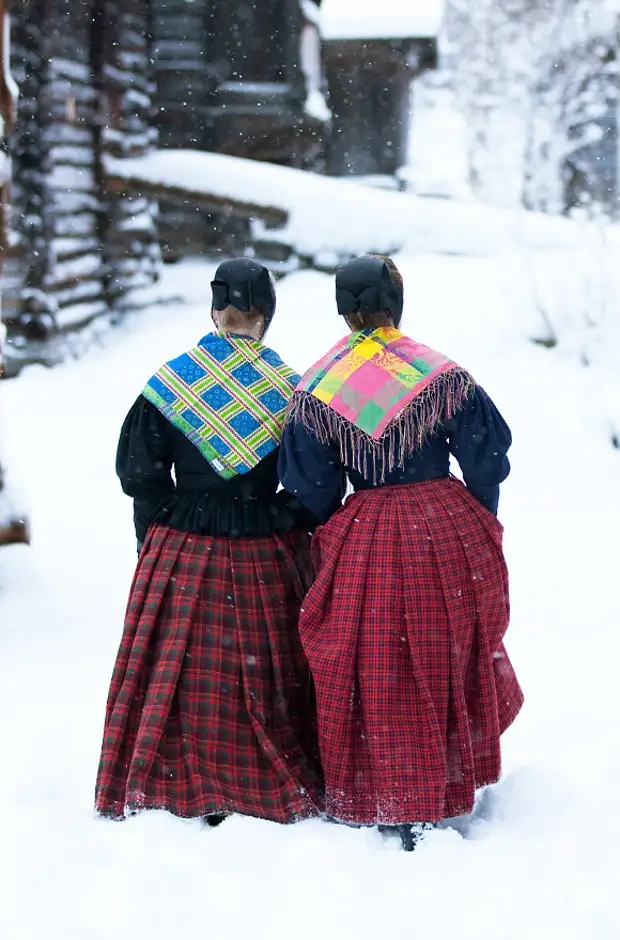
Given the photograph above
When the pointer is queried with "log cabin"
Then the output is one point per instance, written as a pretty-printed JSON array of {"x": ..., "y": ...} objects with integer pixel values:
[
  {"x": 13, "y": 526},
  {"x": 118, "y": 78},
  {"x": 371, "y": 59},
  {"x": 102, "y": 78},
  {"x": 240, "y": 78},
  {"x": 232, "y": 76},
  {"x": 76, "y": 252}
]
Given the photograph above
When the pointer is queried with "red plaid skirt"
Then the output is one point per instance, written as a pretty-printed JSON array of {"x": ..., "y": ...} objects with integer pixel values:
[
  {"x": 403, "y": 630},
  {"x": 211, "y": 707}
]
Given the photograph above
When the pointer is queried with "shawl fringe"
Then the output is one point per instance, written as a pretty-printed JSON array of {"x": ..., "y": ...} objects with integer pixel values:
[{"x": 405, "y": 435}]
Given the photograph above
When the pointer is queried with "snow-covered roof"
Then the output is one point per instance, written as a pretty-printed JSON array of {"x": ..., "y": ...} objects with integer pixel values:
[{"x": 381, "y": 19}]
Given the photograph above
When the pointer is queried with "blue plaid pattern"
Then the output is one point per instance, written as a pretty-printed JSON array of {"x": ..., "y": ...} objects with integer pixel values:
[{"x": 229, "y": 396}]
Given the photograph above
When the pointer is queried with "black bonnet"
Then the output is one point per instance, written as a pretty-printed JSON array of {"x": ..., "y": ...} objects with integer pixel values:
[
  {"x": 367, "y": 285},
  {"x": 244, "y": 283}
]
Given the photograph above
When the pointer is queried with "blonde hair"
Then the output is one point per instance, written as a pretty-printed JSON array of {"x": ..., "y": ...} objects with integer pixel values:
[
  {"x": 372, "y": 321},
  {"x": 232, "y": 320}
]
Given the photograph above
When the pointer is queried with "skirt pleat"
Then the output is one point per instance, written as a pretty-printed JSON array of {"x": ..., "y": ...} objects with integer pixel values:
[
  {"x": 211, "y": 706},
  {"x": 403, "y": 629}
]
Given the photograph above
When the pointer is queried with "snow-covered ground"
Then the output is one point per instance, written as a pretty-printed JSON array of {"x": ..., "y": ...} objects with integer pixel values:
[{"x": 541, "y": 860}]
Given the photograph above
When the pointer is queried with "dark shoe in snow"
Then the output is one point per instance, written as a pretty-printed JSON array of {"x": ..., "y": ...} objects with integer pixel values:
[
  {"x": 410, "y": 834},
  {"x": 214, "y": 819}
]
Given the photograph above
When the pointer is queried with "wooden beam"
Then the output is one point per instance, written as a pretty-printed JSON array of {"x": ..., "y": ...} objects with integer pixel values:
[{"x": 208, "y": 202}]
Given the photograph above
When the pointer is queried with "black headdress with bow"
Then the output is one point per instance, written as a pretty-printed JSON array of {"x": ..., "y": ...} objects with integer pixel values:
[
  {"x": 367, "y": 285},
  {"x": 244, "y": 284}
]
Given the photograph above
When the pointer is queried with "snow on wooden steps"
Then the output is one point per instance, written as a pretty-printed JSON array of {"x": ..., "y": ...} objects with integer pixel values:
[
  {"x": 325, "y": 219},
  {"x": 179, "y": 176}
]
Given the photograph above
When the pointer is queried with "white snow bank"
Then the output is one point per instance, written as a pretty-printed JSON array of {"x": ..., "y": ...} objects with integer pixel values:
[
  {"x": 327, "y": 219},
  {"x": 381, "y": 19}
]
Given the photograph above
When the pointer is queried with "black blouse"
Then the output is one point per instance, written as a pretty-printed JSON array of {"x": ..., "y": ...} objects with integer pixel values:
[{"x": 198, "y": 500}]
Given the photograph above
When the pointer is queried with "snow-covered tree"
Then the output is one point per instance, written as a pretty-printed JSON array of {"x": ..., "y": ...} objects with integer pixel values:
[{"x": 538, "y": 82}]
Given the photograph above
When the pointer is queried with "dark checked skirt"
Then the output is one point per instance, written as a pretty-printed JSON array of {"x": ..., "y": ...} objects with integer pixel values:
[
  {"x": 403, "y": 629},
  {"x": 211, "y": 707}
]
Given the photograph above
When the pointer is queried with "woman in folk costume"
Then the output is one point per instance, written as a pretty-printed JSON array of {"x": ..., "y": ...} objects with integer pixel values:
[
  {"x": 404, "y": 625},
  {"x": 211, "y": 707}
]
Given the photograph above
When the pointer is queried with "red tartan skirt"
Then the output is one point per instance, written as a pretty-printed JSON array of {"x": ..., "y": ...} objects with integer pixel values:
[
  {"x": 403, "y": 630},
  {"x": 211, "y": 707}
]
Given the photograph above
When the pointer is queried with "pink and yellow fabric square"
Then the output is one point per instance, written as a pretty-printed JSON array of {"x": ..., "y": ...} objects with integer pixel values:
[{"x": 370, "y": 377}]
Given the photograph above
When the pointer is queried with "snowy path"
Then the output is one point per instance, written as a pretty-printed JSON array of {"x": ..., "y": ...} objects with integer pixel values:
[{"x": 542, "y": 861}]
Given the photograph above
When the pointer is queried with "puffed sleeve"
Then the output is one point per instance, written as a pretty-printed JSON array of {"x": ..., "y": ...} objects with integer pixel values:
[
  {"x": 479, "y": 439},
  {"x": 311, "y": 471},
  {"x": 144, "y": 462}
]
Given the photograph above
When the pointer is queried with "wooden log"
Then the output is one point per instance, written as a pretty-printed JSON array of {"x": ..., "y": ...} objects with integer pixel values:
[
  {"x": 69, "y": 68},
  {"x": 76, "y": 269},
  {"x": 208, "y": 202},
  {"x": 68, "y": 248},
  {"x": 82, "y": 224},
  {"x": 79, "y": 292},
  {"x": 72, "y": 179},
  {"x": 72, "y": 203},
  {"x": 79, "y": 316},
  {"x": 69, "y": 135}
]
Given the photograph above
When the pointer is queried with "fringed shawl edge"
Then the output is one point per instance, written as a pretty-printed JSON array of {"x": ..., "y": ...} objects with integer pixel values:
[{"x": 407, "y": 432}]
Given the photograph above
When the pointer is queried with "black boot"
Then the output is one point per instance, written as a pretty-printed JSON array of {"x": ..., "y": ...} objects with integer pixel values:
[
  {"x": 413, "y": 833},
  {"x": 408, "y": 837},
  {"x": 410, "y": 834},
  {"x": 214, "y": 819}
]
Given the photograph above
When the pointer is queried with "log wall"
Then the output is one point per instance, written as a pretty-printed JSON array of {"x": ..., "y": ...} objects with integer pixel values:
[
  {"x": 117, "y": 77},
  {"x": 77, "y": 251}
]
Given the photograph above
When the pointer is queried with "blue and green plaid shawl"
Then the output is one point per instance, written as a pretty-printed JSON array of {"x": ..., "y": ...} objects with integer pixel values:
[{"x": 229, "y": 397}]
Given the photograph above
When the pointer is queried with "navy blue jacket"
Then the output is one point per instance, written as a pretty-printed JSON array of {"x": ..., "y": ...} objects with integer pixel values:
[{"x": 477, "y": 436}]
